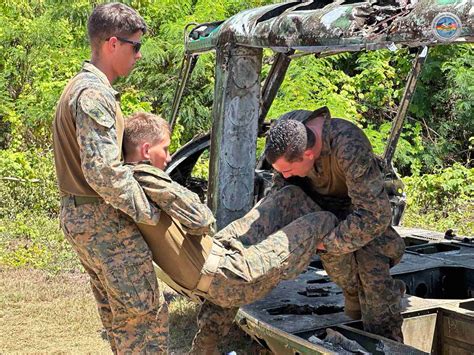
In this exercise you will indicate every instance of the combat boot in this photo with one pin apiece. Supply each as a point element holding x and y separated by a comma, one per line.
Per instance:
<point>196,350</point>
<point>352,306</point>
<point>204,346</point>
<point>400,285</point>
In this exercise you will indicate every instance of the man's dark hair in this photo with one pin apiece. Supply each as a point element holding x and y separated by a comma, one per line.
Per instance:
<point>113,19</point>
<point>288,138</point>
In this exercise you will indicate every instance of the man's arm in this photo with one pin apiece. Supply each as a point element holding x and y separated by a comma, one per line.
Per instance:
<point>100,158</point>
<point>371,207</point>
<point>176,200</point>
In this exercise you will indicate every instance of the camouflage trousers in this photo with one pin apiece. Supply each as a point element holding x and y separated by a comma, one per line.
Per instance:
<point>119,263</point>
<point>273,242</point>
<point>368,288</point>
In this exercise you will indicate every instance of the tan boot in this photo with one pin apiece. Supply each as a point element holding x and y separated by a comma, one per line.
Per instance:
<point>352,306</point>
<point>204,351</point>
<point>205,346</point>
<point>400,285</point>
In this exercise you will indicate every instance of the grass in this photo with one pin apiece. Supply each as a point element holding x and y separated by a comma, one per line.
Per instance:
<point>42,313</point>
<point>46,305</point>
<point>45,300</point>
<point>45,313</point>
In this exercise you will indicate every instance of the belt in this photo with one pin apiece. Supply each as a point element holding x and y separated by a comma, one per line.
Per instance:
<point>211,264</point>
<point>82,200</point>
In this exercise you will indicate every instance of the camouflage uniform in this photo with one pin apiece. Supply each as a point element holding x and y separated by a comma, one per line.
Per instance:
<point>361,249</point>
<point>273,242</point>
<point>364,246</point>
<point>105,237</point>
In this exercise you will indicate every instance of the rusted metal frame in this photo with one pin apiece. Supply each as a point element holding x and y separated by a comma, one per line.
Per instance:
<point>375,31</point>
<point>397,124</point>
<point>187,65</point>
<point>272,84</point>
<point>234,132</point>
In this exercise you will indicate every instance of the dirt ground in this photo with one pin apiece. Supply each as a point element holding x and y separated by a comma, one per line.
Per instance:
<point>40,313</point>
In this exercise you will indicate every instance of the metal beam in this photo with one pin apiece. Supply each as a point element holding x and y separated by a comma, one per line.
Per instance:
<point>397,124</point>
<point>234,132</point>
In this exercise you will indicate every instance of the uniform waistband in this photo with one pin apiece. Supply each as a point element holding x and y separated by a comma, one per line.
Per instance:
<point>81,200</point>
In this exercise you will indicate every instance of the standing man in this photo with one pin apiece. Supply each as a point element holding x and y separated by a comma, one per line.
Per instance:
<point>100,200</point>
<point>333,161</point>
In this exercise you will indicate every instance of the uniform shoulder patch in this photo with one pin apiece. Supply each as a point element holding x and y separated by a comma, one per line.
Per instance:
<point>151,170</point>
<point>95,105</point>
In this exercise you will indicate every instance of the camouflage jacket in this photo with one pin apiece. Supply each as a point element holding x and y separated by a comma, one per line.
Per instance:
<point>175,200</point>
<point>94,104</point>
<point>364,211</point>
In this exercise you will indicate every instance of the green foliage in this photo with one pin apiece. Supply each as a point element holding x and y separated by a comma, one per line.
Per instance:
<point>201,169</point>
<point>34,68</point>
<point>409,146</point>
<point>442,201</point>
<point>176,137</point>
<point>43,44</point>
<point>443,103</point>
<point>311,83</point>
<point>27,183</point>
<point>133,101</point>
<point>35,241</point>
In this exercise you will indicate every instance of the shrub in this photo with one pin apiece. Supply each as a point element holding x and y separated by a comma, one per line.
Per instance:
<point>34,240</point>
<point>442,201</point>
<point>27,183</point>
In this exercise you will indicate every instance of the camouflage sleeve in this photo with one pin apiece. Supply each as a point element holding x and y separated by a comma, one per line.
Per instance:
<point>100,158</point>
<point>278,182</point>
<point>371,207</point>
<point>177,201</point>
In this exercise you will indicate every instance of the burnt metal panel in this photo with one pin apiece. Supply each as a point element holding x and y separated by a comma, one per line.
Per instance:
<point>311,303</point>
<point>234,132</point>
<point>344,25</point>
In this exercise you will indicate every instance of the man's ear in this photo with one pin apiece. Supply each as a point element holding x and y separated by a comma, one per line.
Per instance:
<point>110,45</point>
<point>308,154</point>
<point>144,151</point>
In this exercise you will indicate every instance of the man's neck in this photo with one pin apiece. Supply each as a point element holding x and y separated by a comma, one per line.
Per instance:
<point>104,67</point>
<point>133,157</point>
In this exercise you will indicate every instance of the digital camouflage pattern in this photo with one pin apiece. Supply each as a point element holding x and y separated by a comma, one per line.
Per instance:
<point>273,242</point>
<point>363,246</point>
<point>94,105</point>
<point>175,200</point>
<point>214,323</point>
<point>123,280</point>
<point>107,241</point>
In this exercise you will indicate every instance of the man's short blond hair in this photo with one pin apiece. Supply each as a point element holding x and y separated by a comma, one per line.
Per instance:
<point>144,127</point>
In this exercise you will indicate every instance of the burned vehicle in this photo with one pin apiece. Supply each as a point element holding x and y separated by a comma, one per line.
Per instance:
<point>305,315</point>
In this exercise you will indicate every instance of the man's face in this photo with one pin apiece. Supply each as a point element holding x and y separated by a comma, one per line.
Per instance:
<point>299,168</point>
<point>126,55</point>
<point>158,153</point>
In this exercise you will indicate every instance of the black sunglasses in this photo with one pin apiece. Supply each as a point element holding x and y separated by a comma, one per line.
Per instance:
<point>136,45</point>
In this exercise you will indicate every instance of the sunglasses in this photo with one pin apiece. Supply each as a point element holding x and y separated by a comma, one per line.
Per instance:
<point>136,45</point>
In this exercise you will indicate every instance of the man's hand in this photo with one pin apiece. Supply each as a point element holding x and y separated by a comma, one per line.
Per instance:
<point>320,246</point>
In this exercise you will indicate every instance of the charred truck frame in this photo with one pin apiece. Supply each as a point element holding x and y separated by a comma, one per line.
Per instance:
<point>296,316</point>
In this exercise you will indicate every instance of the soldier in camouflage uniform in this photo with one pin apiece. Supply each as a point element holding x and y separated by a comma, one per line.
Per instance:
<point>242,262</point>
<point>100,199</point>
<point>333,162</point>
